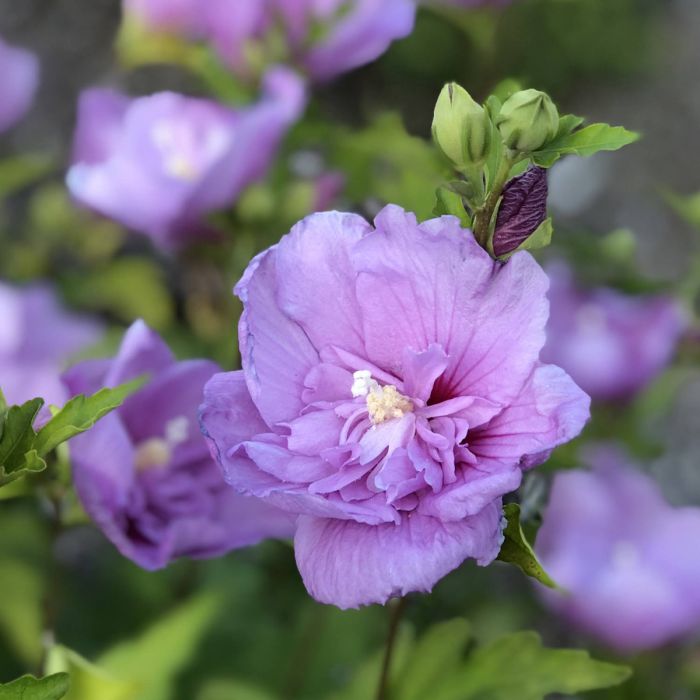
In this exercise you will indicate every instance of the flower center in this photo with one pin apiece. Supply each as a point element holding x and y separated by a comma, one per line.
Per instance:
<point>157,452</point>
<point>383,402</point>
<point>152,453</point>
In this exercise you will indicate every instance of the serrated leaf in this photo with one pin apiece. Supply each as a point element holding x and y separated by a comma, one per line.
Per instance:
<point>567,124</point>
<point>17,456</point>
<point>29,688</point>
<point>585,142</point>
<point>157,656</point>
<point>88,681</point>
<point>438,652</point>
<point>517,550</point>
<point>518,666</point>
<point>81,413</point>
<point>450,203</point>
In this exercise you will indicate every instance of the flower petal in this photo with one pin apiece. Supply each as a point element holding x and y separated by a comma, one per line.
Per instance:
<point>550,411</point>
<point>316,280</point>
<point>431,283</point>
<point>277,354</point>
<point>349,564</point>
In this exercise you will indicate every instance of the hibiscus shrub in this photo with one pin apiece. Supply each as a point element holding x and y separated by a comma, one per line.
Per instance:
<point>297,401</point>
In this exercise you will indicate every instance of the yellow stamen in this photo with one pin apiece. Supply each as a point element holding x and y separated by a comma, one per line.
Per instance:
<point>386,403</point>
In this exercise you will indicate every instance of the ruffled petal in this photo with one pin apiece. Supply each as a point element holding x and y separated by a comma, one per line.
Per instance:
<point>277,355</point>
<point>431,283</point>
<point>316,279</point>
<point>550,411</point>
<point>349,564</point>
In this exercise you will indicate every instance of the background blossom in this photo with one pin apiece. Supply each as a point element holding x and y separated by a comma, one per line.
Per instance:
<point>621,553</point>
<point>19,69</point>
<point>325,38</point>
<point>37,338</point>
<point>144,474</point>
<point>160,164</point>
<point>611,343</point>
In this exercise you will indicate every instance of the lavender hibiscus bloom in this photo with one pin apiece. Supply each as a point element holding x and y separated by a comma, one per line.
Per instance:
<point>325,37</point>
<point>144,473</point>
<point>178,16</point>
<point>160,164</point>
<point>620,551</point>
<point>37,337</point>
<point>391,393</point>
<point>19,79</point>
<point>612,344</point>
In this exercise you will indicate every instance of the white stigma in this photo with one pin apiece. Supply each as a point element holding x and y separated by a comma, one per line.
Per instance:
<point>363,383</point>
<point>383,402</point>
<point>177,430</point>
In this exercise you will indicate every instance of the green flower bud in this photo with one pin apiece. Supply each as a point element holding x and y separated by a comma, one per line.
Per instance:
<point>461,127</point>
<point>528,119</point>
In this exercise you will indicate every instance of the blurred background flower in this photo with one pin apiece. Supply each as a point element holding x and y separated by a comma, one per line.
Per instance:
<point>618,550</point>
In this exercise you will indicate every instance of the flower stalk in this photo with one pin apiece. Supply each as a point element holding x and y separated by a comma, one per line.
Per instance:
<point>396,610</point>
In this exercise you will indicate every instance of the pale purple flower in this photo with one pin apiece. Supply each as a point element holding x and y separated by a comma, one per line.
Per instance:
<point>522,209</point>
<point>19,80</point>
<point>325,37</point>
<point>622,554</point>
<point>144,473</point>
<point>611,343</point>
<point>160,164</point>
<point>179,16</point>
<point>391,393</point>
<point>37,338</point>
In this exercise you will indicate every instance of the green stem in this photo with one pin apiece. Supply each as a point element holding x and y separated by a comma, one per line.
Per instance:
<point>484,215</point>
<point>397,609</point>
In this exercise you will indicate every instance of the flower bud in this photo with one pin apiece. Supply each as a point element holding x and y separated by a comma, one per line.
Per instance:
<point>528,119</point>
<point>461,127</point>
<point>523,208</point>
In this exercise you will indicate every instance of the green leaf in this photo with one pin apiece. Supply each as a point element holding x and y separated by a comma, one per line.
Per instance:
<point>518,666</point>
<point>81,413</point>
<point>567,123</point>
<point>157,656</point>
<point>89,682</point>
<point>20,171</point>
<point>30,688</point>
<point>364,683</point>
<point>17,457</point>
<point>385,162</point>
<point>129,287</point>
<point>438,652</point>
<point>687,207</point>
<point>517,550</point>
<point>21,608</point>
<point>584,142</point>
<point>233,690</point>
<point>449,202</point>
